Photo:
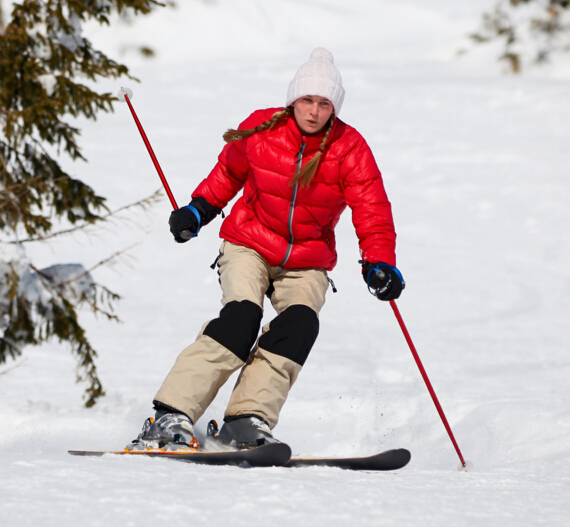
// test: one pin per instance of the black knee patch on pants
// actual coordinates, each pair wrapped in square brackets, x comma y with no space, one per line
[292,334]
[237,327]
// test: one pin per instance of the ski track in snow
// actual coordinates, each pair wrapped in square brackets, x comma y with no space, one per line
[476,166]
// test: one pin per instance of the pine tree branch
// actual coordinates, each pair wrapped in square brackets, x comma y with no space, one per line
[107,295]
[8,370]
[21,188]
[106,261]
[144,204]
[10,346]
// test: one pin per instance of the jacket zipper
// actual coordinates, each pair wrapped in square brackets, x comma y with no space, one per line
[292,207]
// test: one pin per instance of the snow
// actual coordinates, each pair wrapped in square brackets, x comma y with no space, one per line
[74,40]
[475,164]
[48,83]
[73,279]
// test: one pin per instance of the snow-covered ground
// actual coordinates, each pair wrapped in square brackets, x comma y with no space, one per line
[476,165]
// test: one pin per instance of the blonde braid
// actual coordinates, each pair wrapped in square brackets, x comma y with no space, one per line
[235,135]
[306,174]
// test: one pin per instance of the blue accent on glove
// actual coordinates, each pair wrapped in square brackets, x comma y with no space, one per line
[198,217]
[384,281]
[382,267]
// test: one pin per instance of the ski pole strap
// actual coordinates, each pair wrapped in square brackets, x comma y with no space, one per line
[198,217]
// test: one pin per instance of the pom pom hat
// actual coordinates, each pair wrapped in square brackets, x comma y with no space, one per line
[318,76]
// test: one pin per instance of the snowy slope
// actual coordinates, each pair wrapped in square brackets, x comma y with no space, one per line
[475,165]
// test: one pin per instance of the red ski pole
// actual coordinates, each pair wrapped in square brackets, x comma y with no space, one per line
[465,465]
[125,95]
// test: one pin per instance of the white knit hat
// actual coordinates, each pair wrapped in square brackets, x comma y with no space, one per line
[319,77]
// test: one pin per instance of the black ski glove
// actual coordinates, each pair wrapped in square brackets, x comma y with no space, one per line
[186,222]
[384,281]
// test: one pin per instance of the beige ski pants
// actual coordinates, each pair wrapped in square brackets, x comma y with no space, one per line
[266,376]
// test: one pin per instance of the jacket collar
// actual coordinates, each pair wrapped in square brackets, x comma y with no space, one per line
[312,142]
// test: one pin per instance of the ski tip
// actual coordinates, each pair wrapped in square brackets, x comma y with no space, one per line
[86,453]
[405,454]
[396,458]
[388,460]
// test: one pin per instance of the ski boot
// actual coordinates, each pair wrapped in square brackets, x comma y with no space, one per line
[245,431]
[167,431]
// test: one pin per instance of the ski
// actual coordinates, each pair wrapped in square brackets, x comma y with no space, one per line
[270,455]
[388,460]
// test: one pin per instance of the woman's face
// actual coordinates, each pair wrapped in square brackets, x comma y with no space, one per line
[312,113]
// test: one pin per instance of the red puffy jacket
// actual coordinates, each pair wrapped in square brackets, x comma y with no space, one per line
[293,227]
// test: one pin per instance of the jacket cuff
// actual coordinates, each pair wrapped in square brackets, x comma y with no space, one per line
[207,212]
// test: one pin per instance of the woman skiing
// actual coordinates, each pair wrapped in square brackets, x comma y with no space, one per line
[299,167]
